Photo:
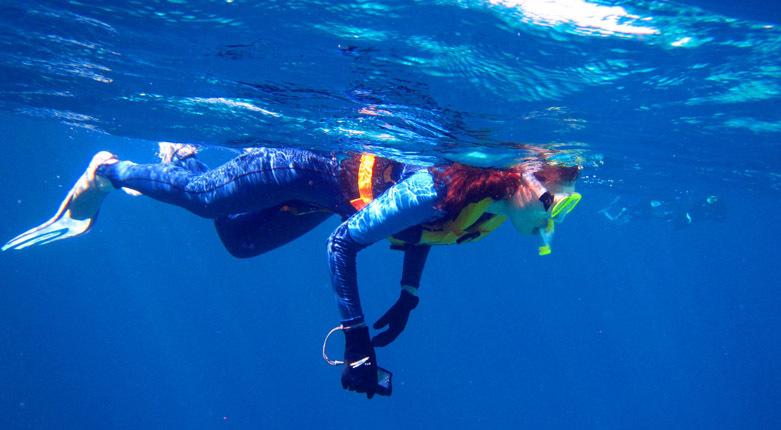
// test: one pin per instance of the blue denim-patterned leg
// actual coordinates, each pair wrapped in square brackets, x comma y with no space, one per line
[253,181]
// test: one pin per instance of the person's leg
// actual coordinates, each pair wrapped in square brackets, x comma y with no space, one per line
[259,179]
[253,181]
[251,234]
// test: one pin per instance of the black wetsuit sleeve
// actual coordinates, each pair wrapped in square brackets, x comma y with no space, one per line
[414,262]
[342,255]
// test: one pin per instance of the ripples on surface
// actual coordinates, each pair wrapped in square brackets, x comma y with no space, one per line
[654,88]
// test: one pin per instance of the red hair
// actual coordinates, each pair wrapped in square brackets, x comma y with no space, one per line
[468,184]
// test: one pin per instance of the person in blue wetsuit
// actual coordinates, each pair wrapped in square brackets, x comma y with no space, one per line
[267,197]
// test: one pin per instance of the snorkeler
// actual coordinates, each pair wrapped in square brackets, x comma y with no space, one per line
[680,211]
[267,197]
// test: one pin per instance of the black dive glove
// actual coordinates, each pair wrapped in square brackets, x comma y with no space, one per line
[360,365]
[395,318]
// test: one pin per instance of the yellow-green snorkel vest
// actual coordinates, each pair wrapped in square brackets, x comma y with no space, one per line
[470,225]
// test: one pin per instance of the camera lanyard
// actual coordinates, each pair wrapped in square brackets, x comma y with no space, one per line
[354,364]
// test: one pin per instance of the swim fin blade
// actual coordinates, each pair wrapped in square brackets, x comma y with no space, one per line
[77,213]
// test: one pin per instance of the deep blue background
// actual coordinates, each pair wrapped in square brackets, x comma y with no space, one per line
[147,323]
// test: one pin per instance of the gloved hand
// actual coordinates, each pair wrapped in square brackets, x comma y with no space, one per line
[395,318]
[359,350]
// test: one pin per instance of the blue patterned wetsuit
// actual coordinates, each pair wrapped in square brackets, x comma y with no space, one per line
[245,197]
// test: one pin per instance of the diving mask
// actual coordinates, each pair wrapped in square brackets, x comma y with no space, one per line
[564,206]
[558,211]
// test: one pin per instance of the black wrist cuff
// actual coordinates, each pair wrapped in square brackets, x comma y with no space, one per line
[407,300]
[357,340]
[353,323]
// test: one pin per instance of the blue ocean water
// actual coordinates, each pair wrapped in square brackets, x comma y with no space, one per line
[658,307]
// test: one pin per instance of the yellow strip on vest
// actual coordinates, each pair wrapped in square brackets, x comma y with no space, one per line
[462,225]
[365,176]
[468,216]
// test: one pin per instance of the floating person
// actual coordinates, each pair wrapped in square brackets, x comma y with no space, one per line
[681,211]
[267,197]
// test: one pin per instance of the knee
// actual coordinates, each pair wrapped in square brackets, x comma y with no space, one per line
[237,247]
[234,240]
[241,250]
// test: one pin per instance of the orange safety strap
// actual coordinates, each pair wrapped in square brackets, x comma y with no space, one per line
[365,179]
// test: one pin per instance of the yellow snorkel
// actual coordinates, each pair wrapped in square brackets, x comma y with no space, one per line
[546,234]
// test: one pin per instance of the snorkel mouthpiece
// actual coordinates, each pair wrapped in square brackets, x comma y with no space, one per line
[546,234]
